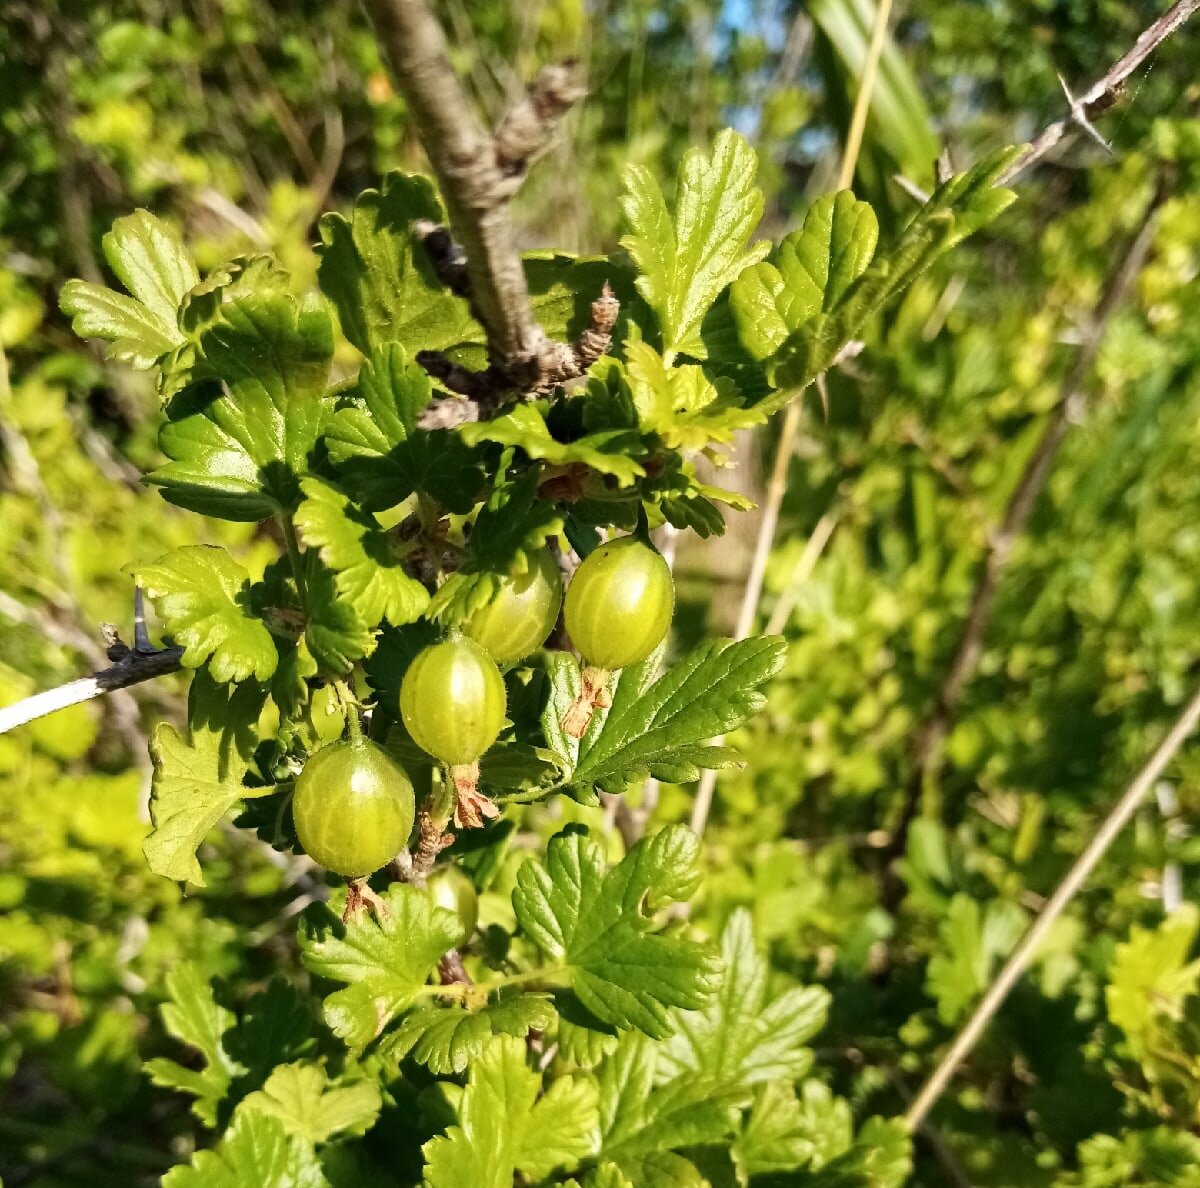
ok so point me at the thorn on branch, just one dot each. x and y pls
(141, 637)
(1079, 114)
(943, 168)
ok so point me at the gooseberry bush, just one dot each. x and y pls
(463, 619)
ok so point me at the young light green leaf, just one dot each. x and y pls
(311, 1108)
(644, 1117)
(601, 928)
(608, 452)
(662, 728)
(383, 283)
(1159, 1156)
(607, 1175)
(685, 263)
(380, 454)
(202, 596)
(744, 1036)
(957, 209)
(681, 404)
(197, 780)
(507, 1125)
(583, 1040)
(446, 1039)
(242, 456)
(1151, 976)
(828, 1121)
(193, 1016)
(255, 1152)
(811, 272)
(368, 573)
(151, 262)
(513, 524)
(383, 961)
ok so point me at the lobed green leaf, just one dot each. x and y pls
(599, 927)
(384, 961)
(684, 263)
(507, 1125)
(197, 780)
(203, 598)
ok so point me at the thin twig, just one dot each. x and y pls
(777, 485)
(1074, 879)
(772, 502)
(938, 1145)
(1101, 95)
(805, 564)
(132, 669)
(933, 731)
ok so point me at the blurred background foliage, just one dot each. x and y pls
(242, 121)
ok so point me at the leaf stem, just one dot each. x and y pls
(350, 705)
(469, 989)
(295, 557)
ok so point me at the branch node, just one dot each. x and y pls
(596, 340)
(526, 131)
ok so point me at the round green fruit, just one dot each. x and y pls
(454, 891)
(521, 616)
(452, 701)
(619, 604)
(353, 807)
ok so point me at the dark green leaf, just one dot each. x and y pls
(381, 455)
(242, 456)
